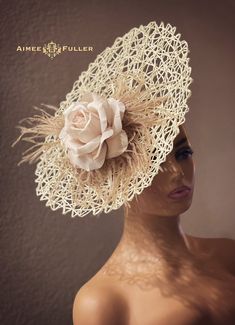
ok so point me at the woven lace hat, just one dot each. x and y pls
(106, 141)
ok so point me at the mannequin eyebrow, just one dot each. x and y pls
(181, 141)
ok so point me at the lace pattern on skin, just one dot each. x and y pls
(198, 283)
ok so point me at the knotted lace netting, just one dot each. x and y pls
(152, 63)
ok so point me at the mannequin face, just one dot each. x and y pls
(178, 170)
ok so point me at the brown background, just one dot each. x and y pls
(46, 256)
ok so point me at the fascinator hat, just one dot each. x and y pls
(106, 141)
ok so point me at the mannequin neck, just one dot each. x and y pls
(154, 236)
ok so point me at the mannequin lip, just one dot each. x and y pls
(180, 191)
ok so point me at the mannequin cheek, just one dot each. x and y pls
(189, 171)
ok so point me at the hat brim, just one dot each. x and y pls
(155, 51)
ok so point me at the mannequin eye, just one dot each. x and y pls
(183, 153)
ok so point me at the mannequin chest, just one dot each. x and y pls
(153, 309)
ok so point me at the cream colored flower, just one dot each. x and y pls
(93, 131)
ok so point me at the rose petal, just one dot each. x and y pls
(69, 141)
(107, 134)
(63, 135)
(73, 144)
(118, 109)
(117, 144)
(86, 148)
(88, 162)
(75, 106)
(97, 103)
(108, 111)
(79, 119)
(91, 130)
(70, 113)
(69, 108)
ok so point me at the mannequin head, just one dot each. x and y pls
(177, 170)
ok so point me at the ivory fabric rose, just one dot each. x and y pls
(93, 131)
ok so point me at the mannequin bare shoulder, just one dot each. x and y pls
(221, 249)
(98, 305)
(104, 301)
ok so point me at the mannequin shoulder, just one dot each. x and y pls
(98, 304)
(221, 249)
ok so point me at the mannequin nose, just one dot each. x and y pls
(175, 169)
